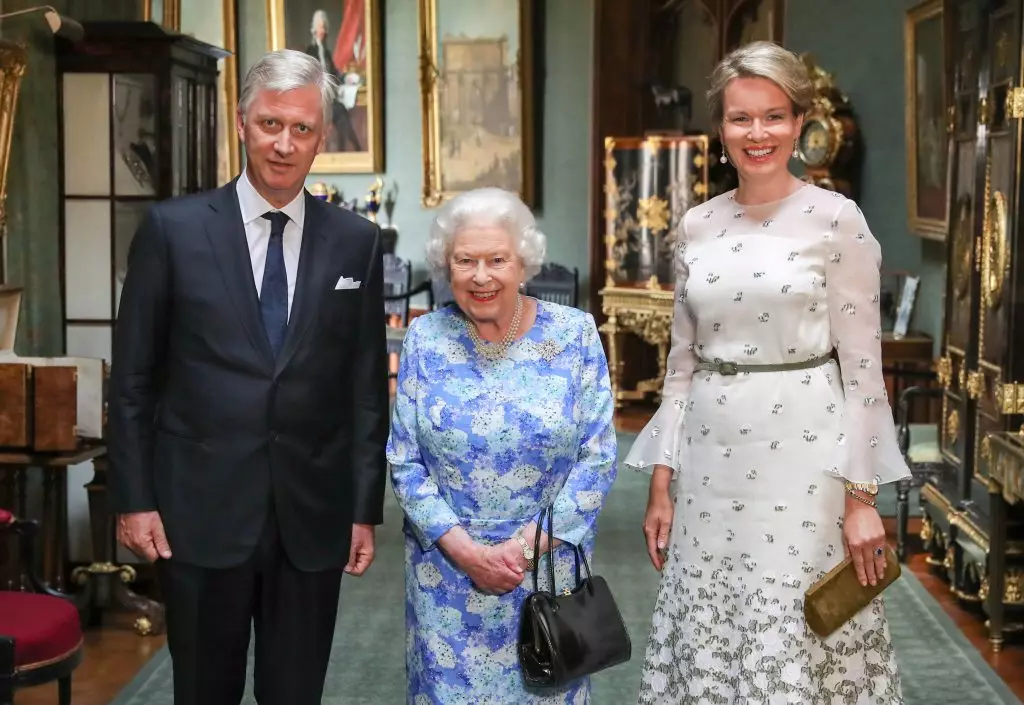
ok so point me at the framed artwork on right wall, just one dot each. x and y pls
(925, 120)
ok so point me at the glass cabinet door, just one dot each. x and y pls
(110, 179)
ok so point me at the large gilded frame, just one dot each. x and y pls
(13, 59)
(369, 161)
(167, 13)
(434, 192)
(929, 225)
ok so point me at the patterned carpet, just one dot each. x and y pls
(939, 666)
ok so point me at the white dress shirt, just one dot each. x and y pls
(257, 232)
(320, 50)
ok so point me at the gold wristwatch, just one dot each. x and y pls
(528, 552)
(869, 488)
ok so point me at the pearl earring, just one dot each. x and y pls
(724, 159)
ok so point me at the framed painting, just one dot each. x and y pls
(166, 13)
(345, 36)
(927, 144)
(476, 80)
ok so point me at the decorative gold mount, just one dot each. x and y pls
(80, 576)
(996, 253)
(1010, 398)
(1015, 103)
(944, 371)
(975, 384)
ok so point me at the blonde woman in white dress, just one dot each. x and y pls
(775, 448)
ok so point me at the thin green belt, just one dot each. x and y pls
(724, 367)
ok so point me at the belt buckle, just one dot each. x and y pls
(727, 368)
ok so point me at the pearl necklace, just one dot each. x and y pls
(493, 351)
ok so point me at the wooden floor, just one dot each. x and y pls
(114, 653)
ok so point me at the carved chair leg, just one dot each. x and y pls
(6, 671)
(64, 690)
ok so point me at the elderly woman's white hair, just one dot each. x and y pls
(483, 207)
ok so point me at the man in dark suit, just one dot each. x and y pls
(248, 412)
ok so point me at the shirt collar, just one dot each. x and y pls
(253, 205)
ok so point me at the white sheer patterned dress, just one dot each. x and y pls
(759, 458)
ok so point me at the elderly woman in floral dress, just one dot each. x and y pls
(503, 409)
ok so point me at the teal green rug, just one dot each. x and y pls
(939, 666)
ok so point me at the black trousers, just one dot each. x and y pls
(210, 614)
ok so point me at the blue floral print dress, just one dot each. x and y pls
(486, 445)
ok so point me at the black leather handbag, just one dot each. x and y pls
(563, 637)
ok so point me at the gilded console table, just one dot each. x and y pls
(645, 312)
(1003, 454)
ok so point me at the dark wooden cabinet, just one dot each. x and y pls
(982, 367)
(137, 124)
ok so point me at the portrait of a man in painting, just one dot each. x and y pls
(343, 36)
(345, 59)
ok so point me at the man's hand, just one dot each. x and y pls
(361, 555)
(143, 534)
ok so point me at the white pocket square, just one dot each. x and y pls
(346, 283)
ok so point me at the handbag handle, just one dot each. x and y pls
(578, 553)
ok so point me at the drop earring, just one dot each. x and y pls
(796, 150)
(724, 159)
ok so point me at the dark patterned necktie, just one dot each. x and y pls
(274, 292)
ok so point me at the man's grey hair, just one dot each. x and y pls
(285, 70)
(485, 207)
(319, 17)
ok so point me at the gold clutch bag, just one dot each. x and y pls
(834, 599)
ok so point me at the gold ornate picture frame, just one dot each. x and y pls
(476, 85)
(349, 43)
(927, 143)
(166, 13)
(13, 60)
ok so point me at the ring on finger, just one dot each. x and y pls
(879, 551)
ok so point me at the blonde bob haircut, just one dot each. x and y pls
(762, 60)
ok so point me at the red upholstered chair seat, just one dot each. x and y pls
(45, 628)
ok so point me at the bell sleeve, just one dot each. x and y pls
(658, 443)
(426, 511)
(867, 447)
(580, 499)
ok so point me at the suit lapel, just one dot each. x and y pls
(314, 263)
(226, 234)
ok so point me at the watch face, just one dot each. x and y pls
(815, 143)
